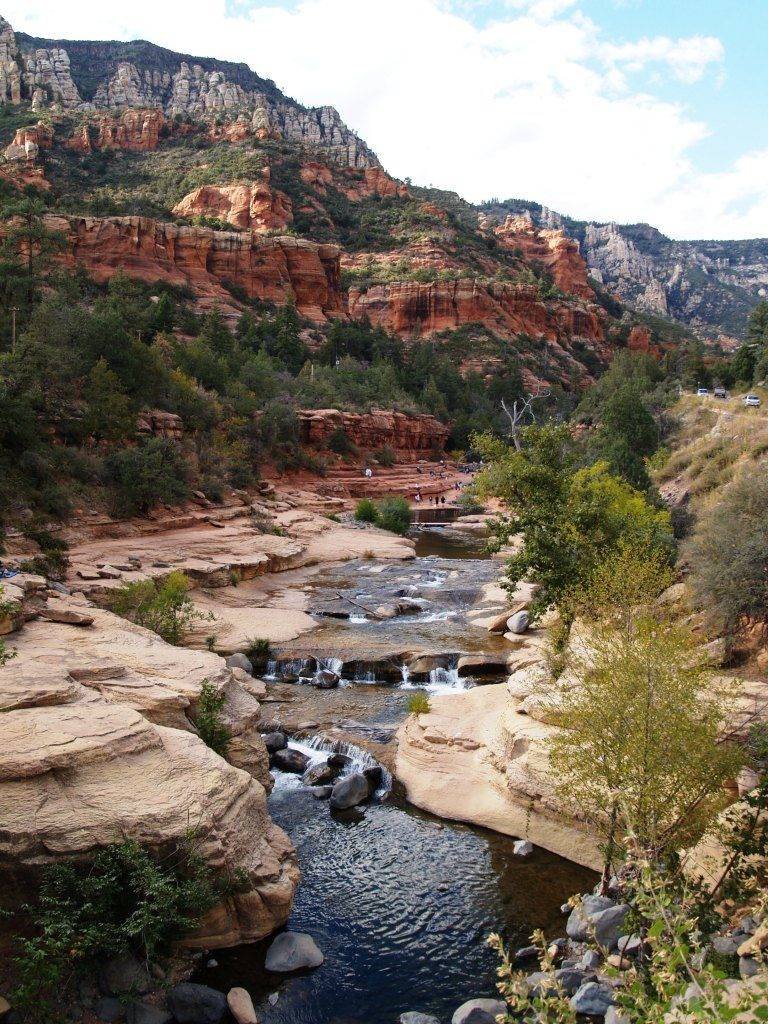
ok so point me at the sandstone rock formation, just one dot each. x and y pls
(273, 269)
(414, 309)
(157, 423)
(27, 143)
(408, 436)
(247, 205)
(133, 130)
(553, 250)
(97, 730)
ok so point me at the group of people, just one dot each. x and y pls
(436, 499)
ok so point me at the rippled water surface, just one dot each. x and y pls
(400, 903)
(401, 906)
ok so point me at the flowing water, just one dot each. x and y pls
(401, 904)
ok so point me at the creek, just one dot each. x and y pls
(400, 903)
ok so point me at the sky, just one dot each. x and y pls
(622, 110)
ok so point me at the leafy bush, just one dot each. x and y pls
(150, 474)
(395, 514)
(366, 512)
(212, 730)
(727, 555)
(258, 649)
(385, 456)
(164, 607)
(125, 902)
(418, 704)
(339, 442)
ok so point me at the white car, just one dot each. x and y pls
(701, 392)
(752, 401)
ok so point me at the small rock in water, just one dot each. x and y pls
(319, 775)
(375, 776)
(275, 741)
(522, 848)
(321, 792)
(290, 761)
(479, 1011)
(212, 963)
(325, 680)
(241, 1006)
(338, 760)
(293, 951)
(525, 955)
(350, 791)
(272, 998)
(414, 1017)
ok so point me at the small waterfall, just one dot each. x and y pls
(440, 681)
(317, 748)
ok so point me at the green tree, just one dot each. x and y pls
(109, 416)
(163, 606)
(152, 473)
(394, 514)
(570, 520)
(627, 435)
(743, 364)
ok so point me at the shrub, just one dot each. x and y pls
(339, 442)
(166, 608)
(125, 902)
(258, 649)
(366, 511)
(53, 560)
(385, 456)
(418, 704)
(395, 514)
(145, 476)
(727, 555)
(211, 729)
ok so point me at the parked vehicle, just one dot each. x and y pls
(720, 393)
(701, 392)
(752, 401)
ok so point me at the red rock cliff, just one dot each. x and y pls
(414, 309)
(250, 204)
(407, 435)
(552, 249)
(135, 130)
(271, 269)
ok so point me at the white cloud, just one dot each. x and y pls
(536, 103)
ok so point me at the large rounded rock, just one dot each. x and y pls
(579, 925)
(350, 791)
(592, 999)
(325, 680)
(293, 951)
(240, 661)
(320, 775)
(479, 1011)
(290, 761)
(196, 1004)
(124, 974)
(519, 622)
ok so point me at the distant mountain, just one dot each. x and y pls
(711, 286)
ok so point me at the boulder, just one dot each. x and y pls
(414, 1017)
(608, 925)
(748, 967)
(482, 665)
(579, 924)
(420, 667)
(479, 1011)
(240, 661)
(321, 792)
(592, 999)
(325, 680)
(339, 760)
(143, 1013)
(196, 1004)
(375, 776)
(570, 978)
(524, 955)
(124, 974)
(241, 1006)
(519, 622)
(293, 951)
(290, 761)
(319, 775)
(522, 848)
(350, 791)
(275, 741)
(67, 616)
(613, 1015)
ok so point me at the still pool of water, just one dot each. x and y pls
(401, 905)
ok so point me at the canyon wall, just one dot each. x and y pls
(408, 436)
(270, 269)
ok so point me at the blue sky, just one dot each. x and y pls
(626, 110)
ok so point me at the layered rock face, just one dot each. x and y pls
(27, 143)
(98, 744)
(552, 249)
(414, 309)
(134, 130)
(273, 269)
(252, 205)
(43, 71)
(408, 436)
